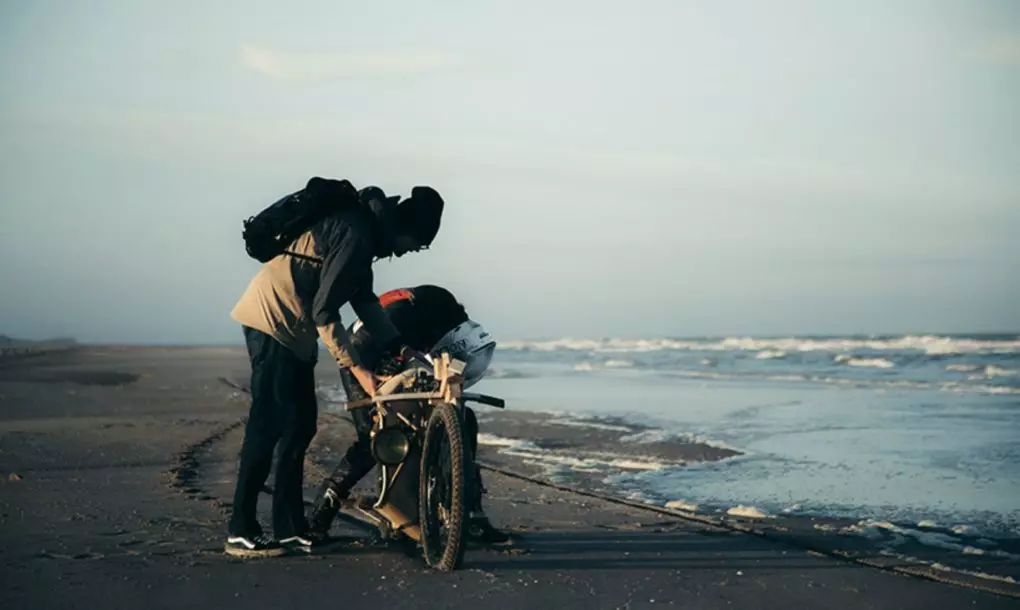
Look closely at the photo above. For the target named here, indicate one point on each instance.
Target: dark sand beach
(117, 469)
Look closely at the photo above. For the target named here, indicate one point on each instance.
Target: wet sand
(118, 468)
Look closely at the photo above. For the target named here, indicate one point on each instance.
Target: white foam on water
(984, 575)
(491, 440)
(979, 389)
(608, 364)
(683, 505)
(588, 424)
(648, 436)
(770, 354)
(878, 363)
(926, 523)
(873, 529)
(719, 445)
(590, 463)
(577, 461)
(963, 368)
(751, 512)
(790, 377)
(992, 371)
(953, 387)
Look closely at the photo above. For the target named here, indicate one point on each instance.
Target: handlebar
(484, 399)
(388, 392)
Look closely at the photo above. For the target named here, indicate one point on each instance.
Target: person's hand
(366, 379)
(408, 353)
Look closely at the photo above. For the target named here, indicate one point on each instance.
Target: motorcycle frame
(396, 508)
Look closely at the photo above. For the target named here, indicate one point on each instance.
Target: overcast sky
(611, 169)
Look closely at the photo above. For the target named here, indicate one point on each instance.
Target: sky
(640, 169)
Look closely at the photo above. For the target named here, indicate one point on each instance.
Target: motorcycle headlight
(390, 446)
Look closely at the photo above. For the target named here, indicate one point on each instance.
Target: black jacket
(296, 297)
(421, 315)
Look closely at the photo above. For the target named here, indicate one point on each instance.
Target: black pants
(284, 411)
(358, 461)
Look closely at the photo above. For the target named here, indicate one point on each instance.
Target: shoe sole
(300, 549)
(244, 553)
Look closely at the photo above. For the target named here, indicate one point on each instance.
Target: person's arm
(342, 272)
(377, 323)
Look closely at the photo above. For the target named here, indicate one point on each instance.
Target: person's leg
(479, 528)
(474, 473)
(298, 431)
(245, 535)
(356, 463)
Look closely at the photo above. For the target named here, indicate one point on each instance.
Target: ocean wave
(963, 368)
(927, 344)
(954, 387)
(995, 371)
(878, 363)
(608, 364)
(981, 371)
(769, 354)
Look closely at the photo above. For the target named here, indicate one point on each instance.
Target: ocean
(909, 442)
(906, 429)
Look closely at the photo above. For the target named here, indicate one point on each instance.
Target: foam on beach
(955, 539)
(682, 505)
(579, 461)
(750, 512)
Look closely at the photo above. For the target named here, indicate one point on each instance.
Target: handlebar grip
(492, 401)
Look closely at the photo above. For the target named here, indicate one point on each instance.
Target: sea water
(902, 428)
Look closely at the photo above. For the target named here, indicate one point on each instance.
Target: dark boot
(326, 506)
(334, 490)
(479, 529)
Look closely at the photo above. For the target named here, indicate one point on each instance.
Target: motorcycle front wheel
(441, 490)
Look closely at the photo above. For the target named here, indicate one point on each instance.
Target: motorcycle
(419, 447)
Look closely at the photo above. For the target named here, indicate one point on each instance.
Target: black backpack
(274, 229)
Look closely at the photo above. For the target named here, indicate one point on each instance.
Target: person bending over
(293, 301)
(429, 319)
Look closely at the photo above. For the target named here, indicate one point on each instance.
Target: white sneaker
(253, 546)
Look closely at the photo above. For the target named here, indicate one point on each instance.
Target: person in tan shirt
(293, 301)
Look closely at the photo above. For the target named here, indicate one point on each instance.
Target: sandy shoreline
(125, 456)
